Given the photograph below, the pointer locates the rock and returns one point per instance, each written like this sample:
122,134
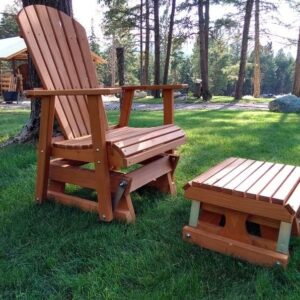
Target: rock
177,94
285,104
181,98
248,97
140,94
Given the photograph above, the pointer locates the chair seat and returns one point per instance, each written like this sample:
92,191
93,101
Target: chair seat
129,141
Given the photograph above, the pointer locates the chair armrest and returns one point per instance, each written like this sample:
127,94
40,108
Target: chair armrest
155,87
168,100
68,92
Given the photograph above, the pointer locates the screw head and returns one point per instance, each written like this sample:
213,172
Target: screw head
98,161
188,235
104,217
97,149
42,151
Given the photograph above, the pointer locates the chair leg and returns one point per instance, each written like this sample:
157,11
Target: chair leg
103,192
194,214
125,211
284,238
42,178
165,184
45,136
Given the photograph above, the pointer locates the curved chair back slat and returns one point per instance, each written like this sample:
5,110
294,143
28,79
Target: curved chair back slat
60,51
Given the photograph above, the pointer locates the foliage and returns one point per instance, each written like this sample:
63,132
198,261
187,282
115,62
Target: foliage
121,18
8,24
56,252
276,71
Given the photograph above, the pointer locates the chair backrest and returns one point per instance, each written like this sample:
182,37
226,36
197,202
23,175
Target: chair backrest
60,52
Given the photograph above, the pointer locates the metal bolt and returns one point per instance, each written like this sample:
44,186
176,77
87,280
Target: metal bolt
104,217
42,151
97,149
188,236
278,263
37,199
123,183
98,162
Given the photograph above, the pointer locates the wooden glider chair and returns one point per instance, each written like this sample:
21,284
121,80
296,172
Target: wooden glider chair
60,51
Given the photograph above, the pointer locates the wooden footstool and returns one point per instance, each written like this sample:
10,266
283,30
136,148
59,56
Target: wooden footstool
248,210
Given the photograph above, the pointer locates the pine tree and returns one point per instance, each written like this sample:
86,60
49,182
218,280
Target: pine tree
8,24
296,86
256,77
30,130
244,49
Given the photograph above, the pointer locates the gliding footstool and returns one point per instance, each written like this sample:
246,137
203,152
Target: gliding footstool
245,208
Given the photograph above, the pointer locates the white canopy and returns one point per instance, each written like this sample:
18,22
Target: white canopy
11,47
15,48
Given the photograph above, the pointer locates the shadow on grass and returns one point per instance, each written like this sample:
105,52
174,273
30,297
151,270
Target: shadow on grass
60,252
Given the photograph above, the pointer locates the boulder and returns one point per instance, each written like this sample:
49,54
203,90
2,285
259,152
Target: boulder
140,94
285,104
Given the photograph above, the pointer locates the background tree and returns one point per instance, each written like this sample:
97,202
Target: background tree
8,24
169,42
203,24
256,77
285,65
296,85
156,46
147,42
244,49
30,130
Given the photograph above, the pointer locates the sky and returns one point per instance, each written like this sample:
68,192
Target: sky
86,10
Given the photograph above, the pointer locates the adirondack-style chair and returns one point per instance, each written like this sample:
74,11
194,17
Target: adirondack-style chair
60,51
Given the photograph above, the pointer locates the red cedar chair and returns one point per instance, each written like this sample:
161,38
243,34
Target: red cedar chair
60,51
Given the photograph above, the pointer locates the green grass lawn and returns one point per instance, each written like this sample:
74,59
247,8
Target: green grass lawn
215,100
57,252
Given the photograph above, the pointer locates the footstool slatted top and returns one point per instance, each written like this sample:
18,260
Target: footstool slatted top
264,181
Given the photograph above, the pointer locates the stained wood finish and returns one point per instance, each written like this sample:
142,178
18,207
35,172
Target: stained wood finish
156,87
43,163
259,208
251,179
240,191
60,51
126,146
232,247
72,92
126,107
168,100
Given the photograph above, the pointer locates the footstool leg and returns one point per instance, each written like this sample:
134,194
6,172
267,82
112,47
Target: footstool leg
194,215
284,237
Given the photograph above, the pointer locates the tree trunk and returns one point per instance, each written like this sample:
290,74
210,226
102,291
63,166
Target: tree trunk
156,47
63,5
147,44
141,44
244,49
169,43
121,65
121,69
113,61
30,130
206,29
296,87
256,78
203,26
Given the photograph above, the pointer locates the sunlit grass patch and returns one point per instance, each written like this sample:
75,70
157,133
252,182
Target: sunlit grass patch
57,252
